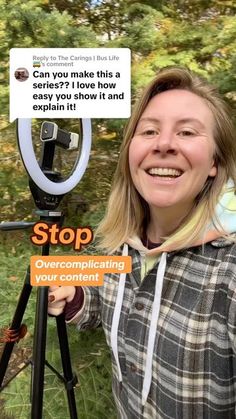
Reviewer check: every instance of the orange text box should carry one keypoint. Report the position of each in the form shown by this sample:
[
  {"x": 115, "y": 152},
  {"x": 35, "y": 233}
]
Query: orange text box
[{"x": 75, "y": 270}]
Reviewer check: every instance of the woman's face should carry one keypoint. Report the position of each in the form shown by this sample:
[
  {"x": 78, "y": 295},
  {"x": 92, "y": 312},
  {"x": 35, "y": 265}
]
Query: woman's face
[{"x": 171, "y": 153}]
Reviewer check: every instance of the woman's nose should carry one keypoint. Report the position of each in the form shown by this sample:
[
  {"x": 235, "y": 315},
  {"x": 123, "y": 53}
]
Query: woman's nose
[{"x": 165, "y": 142}]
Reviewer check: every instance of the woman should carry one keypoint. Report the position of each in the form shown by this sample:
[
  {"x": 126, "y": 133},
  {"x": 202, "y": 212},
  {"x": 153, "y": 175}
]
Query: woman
[{"x": 171, "y": 323}]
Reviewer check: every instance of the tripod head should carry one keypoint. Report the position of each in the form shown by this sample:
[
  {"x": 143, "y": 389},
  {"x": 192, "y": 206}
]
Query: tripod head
[{"x": 47, "y": 186}]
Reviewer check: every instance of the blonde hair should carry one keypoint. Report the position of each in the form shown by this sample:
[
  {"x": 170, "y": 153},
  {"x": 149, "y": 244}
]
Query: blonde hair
[{"x": 127, "y": 211}]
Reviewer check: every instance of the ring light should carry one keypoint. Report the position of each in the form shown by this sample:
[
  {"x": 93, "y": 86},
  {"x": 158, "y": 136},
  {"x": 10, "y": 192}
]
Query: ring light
[{"x": 28, "y": 156}]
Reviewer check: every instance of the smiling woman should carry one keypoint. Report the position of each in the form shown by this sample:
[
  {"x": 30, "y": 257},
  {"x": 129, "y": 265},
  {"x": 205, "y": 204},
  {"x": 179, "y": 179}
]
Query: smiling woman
[{"x": 171, "y": 322}]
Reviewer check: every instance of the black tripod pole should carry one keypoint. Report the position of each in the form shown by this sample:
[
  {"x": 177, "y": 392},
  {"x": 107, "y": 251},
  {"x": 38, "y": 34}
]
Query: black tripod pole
[
  {"x": 69, "y": 379},
  {"x": 39, "y": 350}
]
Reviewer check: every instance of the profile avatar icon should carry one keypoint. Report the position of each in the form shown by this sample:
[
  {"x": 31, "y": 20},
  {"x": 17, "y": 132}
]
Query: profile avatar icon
[{"x": 21, "y": 74}]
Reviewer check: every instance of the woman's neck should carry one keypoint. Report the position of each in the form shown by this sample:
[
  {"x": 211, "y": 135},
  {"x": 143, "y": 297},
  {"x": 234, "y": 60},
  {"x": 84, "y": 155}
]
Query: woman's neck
[{"x": 164, "y": 222}]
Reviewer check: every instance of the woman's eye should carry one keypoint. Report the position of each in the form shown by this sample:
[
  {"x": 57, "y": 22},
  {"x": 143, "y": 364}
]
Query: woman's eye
[
  {"x": 186, "y": 133},
  {"x": 149, "y": 133}
]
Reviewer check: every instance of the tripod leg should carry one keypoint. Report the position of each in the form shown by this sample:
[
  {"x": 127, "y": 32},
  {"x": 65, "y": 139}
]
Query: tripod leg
[
  {"x": 70, "y": 380},
  {"x": 39, "y": 353},
  {"x": 15, "y": 325}
]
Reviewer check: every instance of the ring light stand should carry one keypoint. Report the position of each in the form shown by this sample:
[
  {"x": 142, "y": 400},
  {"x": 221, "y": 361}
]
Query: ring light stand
[{"x": 47, "y": 188}]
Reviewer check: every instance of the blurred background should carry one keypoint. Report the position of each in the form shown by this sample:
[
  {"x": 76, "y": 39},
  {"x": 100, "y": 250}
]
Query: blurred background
[{"x": 199, "y": 34}]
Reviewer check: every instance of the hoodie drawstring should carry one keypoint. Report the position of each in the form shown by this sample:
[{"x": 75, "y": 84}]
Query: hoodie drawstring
[
  {"x": 153, "y": 323},
  {"x": 153, "y": 328},
  {"x": 116, "y": 316}
]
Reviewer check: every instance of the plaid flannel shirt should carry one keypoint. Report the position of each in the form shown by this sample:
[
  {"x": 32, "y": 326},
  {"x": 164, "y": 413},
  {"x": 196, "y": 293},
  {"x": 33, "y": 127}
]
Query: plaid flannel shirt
[{"x": 194, "y": 364}]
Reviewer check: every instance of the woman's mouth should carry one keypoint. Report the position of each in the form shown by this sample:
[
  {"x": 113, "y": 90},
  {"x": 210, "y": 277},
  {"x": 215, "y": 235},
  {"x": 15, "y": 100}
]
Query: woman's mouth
[{"x": 164, "y": 172}]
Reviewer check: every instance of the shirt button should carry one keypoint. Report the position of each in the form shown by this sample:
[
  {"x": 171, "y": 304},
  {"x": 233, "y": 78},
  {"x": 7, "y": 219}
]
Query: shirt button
[
  {"x": 139, "y": 306},
  {"x": 133, "y": 368}
]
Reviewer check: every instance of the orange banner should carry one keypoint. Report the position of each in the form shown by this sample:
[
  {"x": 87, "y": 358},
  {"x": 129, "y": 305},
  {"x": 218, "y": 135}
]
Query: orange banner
[{"x": 75, "y": 270}]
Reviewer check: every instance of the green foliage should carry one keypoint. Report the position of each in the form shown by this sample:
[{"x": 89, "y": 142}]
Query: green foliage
[
  {"x": 31, "y": 26},
  {"x": 28, "y": 25},
  {"x": 141, "y": 30}
]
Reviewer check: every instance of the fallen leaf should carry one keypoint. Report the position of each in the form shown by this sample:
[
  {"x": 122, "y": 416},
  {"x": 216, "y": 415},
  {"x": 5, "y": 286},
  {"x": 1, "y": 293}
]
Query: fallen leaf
[{"x": 13, "y": 278}]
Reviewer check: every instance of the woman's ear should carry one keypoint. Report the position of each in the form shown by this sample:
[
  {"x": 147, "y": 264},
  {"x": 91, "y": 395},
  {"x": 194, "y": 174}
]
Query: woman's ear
[{"x": 213, "y": 170}]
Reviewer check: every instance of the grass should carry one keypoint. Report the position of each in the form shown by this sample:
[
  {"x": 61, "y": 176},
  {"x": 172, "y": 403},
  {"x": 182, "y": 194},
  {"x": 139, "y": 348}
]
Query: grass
[{"x": 89, "y": 354}]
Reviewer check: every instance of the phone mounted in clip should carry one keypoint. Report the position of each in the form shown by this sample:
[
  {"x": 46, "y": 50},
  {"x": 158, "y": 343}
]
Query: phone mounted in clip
[{"x": 64, "y": 139}]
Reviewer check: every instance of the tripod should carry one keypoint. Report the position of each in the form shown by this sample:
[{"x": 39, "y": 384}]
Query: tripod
[
  {"x": 16, "y": 330},
  {"x": 46, "y": 204}
]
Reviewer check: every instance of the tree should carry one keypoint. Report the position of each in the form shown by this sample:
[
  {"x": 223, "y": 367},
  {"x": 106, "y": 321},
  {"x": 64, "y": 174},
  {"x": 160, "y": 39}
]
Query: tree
[{"x": 28, "y": 25}]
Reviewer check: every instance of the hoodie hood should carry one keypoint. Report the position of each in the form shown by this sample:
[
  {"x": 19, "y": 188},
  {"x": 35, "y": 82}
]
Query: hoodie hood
[
  {"x": 225, "y": 213},
  {"x": 222, "y": 225}
]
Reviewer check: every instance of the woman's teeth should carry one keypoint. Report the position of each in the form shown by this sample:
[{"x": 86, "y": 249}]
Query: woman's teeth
[{"x": 165, "y": 172}]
